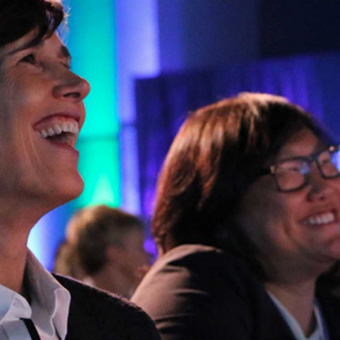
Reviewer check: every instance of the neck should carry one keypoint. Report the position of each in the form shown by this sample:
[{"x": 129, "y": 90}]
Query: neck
[
  {"x": 298, "y": 299},
  {"x": 15, "y": 225},
  {"x": 13, "y": 252}
]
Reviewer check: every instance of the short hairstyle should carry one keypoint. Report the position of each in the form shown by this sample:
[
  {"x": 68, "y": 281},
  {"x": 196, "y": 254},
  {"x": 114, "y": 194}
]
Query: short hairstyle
[
  {"x": 66, "y": 261},
  {"x": 218, "y": 152},
  {"x": 19, "y": 17},
  {"x": 93, "y": 229}
]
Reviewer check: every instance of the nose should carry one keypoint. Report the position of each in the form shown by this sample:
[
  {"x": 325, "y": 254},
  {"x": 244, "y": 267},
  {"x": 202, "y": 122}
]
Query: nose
[
  {"x": 72, "y": 87},
  {"x": 319, "y": 186}
]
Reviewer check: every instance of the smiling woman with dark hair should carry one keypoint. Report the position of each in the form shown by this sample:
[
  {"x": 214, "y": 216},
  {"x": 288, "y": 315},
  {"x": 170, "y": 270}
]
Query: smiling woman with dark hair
[
  {"x": 247, "y": 222},
  {"x": 41, "y": 113}
]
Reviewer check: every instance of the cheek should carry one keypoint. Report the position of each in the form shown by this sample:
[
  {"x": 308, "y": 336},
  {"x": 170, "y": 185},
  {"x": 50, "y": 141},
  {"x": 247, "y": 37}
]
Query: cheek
[
  {"x": 12, "y": 105},
  {"x": 336, "y": 187},
  {"x": 261, "y": 205},
  {"x": 21, "y": 100},
  {"x": 28, "y": 96},
  {"x": 137, "y": 258},
  {"x": 264, "y": 213},
  {"x": 21, "y": 91},
  {"x": 11, "y": 90},
  {"x": 7, "y": 105}
]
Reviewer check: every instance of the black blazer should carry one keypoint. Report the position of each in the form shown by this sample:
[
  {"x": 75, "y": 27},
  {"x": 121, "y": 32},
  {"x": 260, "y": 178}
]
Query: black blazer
[
  {"x": 198, "y": 292},
  {"x": 96, "y": 315}
]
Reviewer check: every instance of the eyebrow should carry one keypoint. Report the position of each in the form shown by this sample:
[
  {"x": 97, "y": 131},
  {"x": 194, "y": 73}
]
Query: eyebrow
[
  {"x": 64, "y": 52},
  {"x": 25, "y": 46},
  {"x": 319, "y": 147}
]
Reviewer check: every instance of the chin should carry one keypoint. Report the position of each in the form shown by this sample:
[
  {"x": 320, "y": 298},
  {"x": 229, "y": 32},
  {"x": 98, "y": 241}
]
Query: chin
[
  {"x": 332, "y": 249},
  {"x": 73, "y": 190},
  {"x": 67, "y": 191}
]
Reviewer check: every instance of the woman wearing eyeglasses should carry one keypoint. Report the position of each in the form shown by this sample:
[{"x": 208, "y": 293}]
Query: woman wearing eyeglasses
[{"x": 247, "y": 222}]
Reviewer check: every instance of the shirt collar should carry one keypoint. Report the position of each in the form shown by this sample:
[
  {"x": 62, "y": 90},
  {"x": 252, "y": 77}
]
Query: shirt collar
[
  {"x": 50, "y": 301},
  {"x": 13, "y": 306}
]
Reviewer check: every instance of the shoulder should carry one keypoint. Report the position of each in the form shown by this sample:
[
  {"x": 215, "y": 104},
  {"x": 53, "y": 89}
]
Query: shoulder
[
  {"x": 191, "y": 255},
  {"x": 195, "y": 289},
  {"x": 97, "y": 312},
  {"x": 201, "y": 292},
  {"x": 197, "y": 264}
]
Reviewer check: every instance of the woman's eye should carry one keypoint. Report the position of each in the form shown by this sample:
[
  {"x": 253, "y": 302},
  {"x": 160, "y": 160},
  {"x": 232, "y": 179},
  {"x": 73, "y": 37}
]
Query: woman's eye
[{"x": 30, "y": 59}]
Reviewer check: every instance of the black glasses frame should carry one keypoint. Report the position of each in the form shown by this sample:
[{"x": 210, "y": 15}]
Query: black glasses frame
[{"x": 271, "y": 170}]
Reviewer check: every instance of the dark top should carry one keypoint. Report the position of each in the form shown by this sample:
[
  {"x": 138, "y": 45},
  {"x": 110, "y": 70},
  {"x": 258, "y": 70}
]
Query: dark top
[
  {"x": 96, "y": 315},
  {"x": 199, "y": 292}
]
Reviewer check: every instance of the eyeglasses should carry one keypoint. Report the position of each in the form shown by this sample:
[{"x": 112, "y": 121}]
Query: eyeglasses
[{"x": 293, "y": 174}]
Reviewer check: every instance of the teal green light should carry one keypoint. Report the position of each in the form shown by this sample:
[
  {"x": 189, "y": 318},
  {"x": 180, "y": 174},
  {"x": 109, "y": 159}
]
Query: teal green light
[
  {"x": 102, "y": 174},
  {"x": 93, "y": 48}
]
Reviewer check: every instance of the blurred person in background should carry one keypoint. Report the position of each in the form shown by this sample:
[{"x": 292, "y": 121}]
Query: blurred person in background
[
  {"x": 247, "y": 223},
  {"x": 41, "y": 113},
  {"x": 66, "y": 262},
  {"x": 105, "y": 249}
]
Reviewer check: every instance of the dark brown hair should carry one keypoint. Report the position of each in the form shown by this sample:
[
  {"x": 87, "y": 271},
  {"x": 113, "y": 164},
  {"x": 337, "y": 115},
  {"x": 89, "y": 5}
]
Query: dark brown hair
[
  {"x": 218, "y": 152},
  {"x": 19, "y": 17}
]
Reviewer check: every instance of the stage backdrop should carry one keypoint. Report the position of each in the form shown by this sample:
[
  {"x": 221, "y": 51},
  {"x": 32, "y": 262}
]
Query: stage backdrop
[{"x": 164, "y": 102}]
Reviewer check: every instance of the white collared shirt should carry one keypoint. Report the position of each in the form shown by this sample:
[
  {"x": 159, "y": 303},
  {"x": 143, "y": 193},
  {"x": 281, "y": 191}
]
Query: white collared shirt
[
  {"x": 320, "y": 333},
  {"x": 50, "y": 303}
]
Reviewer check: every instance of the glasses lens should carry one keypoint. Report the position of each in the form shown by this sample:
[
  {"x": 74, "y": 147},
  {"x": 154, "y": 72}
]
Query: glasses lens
[
  {"x": 329, "y": 162},
  {"x": 290, "y": 175}
]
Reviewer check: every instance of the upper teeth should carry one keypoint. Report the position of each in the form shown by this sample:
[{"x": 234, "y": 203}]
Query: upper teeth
[
  {"x": 58, "y": 128},
  {"x": 321, "y": 219}
]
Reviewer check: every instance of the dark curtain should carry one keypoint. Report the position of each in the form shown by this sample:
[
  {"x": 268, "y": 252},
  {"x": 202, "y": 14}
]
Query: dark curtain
[{"x": 163, "y": 102}]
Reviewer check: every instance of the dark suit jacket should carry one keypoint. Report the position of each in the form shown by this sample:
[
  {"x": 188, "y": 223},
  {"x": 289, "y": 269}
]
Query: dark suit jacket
[
  {"x": 96, "y": 315},
  {"x": 199, "y": 292}
]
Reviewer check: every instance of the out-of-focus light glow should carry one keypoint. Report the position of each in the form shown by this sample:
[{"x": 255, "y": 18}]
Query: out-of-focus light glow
[
  {"x": 138, "y": 56},
  {"x": 47, "y": 234},
  {"x": 92, "y": 43},
  {"x": 94, "y": 29},
  {"x": 99, "y": 162}
]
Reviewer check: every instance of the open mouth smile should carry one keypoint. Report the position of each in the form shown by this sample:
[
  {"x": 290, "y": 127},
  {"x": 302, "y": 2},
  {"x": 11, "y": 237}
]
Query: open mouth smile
[
  {"x": 60, "y": 129},
  {"x": 320, "y": 219}
]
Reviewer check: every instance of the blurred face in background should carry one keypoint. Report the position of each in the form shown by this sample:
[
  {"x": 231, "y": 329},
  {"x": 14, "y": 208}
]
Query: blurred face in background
[
  {"x": 131, "y": 257},
  {"x": 137, "y": 259}
]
